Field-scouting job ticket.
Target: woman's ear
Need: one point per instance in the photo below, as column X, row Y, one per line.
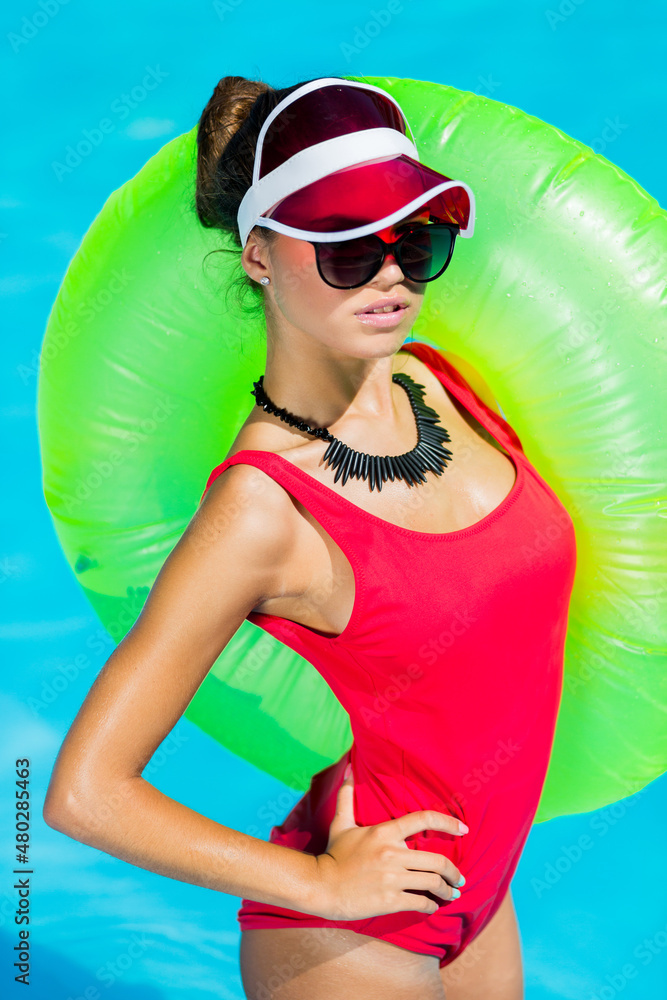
column 254, row 259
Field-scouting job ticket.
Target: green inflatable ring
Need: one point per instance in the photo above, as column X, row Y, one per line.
column 558, row 302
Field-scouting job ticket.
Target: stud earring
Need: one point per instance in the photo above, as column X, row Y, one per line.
column 265, row 280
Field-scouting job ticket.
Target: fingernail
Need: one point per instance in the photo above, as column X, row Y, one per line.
column 455, row 893
column 348, row 772
column 463, row 828
column 461, row 881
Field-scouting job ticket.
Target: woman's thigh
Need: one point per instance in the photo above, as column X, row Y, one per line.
column 331, row 963
column 491, row 965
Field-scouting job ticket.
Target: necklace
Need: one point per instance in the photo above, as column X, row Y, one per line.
column 427, row 455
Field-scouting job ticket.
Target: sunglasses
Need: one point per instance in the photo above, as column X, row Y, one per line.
column 422, row 253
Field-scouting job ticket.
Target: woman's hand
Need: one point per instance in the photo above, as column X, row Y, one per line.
column 366, row 870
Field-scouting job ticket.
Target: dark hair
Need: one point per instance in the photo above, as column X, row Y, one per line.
column 227, row 136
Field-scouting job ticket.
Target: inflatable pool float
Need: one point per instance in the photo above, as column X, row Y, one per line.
column 558, row 301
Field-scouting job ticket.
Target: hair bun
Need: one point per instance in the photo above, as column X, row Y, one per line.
column 226, row 141
column 227, row 136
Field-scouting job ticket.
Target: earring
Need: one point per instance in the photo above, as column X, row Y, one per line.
column 265, row 280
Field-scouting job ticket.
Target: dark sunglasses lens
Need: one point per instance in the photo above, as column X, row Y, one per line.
column 426, row 251
column 350, row 262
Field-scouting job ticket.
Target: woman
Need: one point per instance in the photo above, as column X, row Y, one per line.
column 398, row 569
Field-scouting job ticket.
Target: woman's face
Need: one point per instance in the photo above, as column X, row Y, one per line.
column 298, row 297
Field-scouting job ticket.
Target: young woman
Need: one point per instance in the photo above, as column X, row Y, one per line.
column 372, row 513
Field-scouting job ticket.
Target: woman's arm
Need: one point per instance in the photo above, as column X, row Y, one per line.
column 232, row 555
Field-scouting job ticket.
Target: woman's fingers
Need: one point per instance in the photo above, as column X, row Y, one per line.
column 431, row 882
column 426, row 819
column 427, row 861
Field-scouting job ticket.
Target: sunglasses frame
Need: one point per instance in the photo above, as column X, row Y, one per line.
column 395, row 247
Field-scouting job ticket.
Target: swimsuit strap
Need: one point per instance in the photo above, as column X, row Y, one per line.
column 466, row 395
column 321, row 501
column 325, row 503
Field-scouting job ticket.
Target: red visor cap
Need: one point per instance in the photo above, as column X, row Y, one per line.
column 370, row 192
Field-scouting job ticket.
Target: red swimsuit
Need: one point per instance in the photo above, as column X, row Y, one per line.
column 451, row 671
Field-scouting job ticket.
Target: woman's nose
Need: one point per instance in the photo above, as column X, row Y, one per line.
column 390, row 270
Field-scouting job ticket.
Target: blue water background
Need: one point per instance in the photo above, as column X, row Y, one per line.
column 597, row 928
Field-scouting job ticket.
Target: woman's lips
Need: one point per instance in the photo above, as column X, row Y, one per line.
column 382, row 320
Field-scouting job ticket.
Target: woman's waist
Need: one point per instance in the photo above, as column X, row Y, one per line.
column 455, row 753
column 498, row 817
column 505, row 776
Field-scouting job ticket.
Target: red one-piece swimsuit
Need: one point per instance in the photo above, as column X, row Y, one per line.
column 451, row 670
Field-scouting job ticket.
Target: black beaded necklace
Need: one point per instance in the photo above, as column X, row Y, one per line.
column 427, row 455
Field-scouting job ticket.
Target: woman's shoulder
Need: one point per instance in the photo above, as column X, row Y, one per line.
column 246, row 514
column 245, row 492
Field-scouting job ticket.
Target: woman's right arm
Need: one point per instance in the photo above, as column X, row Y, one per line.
column 236, row 552
column 228, row 560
